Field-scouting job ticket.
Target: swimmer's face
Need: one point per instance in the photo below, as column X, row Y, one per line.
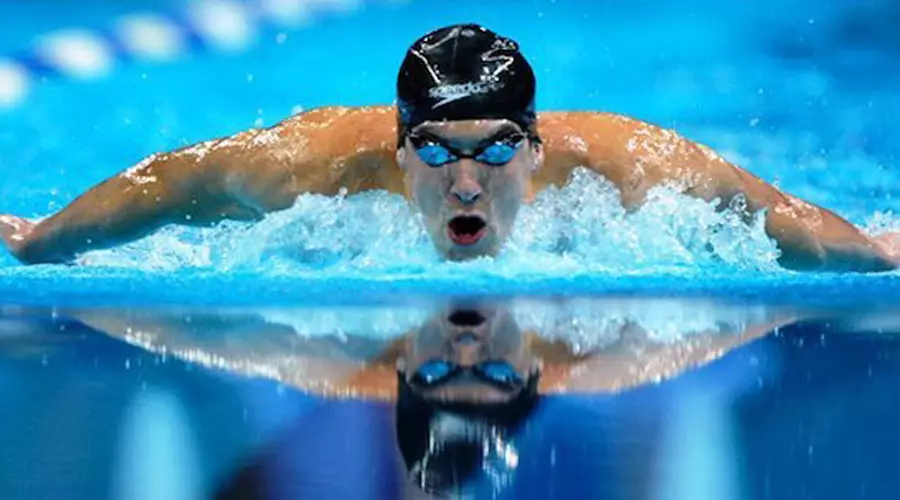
column 469, row 204
column 468, row 339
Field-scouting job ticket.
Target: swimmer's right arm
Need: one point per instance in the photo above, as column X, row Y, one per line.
column 163, row 189
column 241, row 177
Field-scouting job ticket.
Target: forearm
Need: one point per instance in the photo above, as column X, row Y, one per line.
column 811, row 238
column 636, row 156
column 163, row 189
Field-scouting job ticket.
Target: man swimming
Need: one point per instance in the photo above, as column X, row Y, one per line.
column 466, row 147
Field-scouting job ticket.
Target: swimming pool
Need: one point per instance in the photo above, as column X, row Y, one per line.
column 805, row 124
column 797, row 93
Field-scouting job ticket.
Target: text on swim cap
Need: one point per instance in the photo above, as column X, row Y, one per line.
column 456, row 91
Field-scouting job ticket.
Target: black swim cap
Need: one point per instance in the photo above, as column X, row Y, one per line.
column 443, row 463
column 465, row 72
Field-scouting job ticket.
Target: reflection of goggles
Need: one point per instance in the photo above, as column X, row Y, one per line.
column 495, row 372
column 497, row 152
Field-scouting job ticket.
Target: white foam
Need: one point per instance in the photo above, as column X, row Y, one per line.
column 882, row 222
column 580, row 228
column 77, row 53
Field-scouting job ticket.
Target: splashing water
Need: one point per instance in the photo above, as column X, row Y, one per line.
column 581, row 227
column 881, row 223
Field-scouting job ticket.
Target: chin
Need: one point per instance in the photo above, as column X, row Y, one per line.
column 487, row 247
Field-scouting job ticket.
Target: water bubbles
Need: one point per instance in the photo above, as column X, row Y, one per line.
column 580, row 228
column 882, row 222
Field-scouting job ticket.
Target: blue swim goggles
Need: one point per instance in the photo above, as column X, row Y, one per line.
column 495, row 372
column 496, row 152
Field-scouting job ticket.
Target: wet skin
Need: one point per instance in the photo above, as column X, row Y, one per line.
column 328, row 150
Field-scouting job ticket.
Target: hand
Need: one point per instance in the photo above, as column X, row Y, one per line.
column 889, row 243
column 15, row 232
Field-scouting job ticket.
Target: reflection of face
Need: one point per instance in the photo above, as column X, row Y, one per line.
column 469, row 206
column 468, row 337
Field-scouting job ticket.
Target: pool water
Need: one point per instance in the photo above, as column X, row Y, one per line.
column 200, row 402
column 799, row 93
column 801, row 121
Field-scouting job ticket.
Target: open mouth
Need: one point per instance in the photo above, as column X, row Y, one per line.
column 466, row 317
column 466, row 229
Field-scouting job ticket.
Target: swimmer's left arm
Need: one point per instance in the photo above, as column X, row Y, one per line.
column 636, row 156
column 810, row 238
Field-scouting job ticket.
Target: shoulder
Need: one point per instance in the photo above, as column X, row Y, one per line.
column 607, row 131
column 342, row 130
column 327, row 117
column 634, row 154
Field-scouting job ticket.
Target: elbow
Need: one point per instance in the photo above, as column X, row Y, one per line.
column 809, row 257
column 835, row 258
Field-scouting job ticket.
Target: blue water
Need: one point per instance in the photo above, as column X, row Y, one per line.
column 802, row 94
column 734, row 79
column 186, row 402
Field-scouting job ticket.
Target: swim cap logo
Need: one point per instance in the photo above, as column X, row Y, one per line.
column 457, row 91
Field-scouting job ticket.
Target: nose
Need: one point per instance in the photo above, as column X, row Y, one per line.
column 466, row 187
column 467, row 349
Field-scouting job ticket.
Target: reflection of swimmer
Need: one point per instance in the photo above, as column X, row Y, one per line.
column 454, row 354
column 464, row 144
column 464, row 382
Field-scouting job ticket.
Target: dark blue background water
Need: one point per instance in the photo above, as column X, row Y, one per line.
column 809, row 412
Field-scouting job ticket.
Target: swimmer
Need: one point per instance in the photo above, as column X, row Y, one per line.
column 466, row 147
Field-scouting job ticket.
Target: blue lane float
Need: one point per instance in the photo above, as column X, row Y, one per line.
column 226, row 26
